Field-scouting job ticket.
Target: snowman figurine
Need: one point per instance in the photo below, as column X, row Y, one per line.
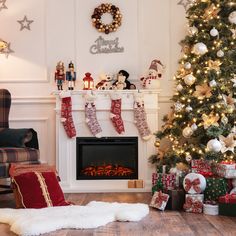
column 155, row 73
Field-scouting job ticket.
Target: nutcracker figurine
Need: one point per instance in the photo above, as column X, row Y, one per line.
column 71, row 76
column 60, row 75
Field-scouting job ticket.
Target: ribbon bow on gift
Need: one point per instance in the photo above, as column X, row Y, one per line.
column 160, row 198
column 194, row 206
column 195, row 184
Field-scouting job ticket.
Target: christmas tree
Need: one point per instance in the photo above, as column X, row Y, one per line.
column 202, row 121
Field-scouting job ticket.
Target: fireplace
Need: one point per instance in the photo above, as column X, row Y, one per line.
column 106, row 158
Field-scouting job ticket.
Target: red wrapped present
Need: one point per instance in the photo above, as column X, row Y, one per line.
column 228, row 198
column 202, row 167
column 159, row 200
column 193, row 203
column 168, row 180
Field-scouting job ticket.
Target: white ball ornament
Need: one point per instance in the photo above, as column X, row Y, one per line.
column 192, row 30
column 179, row 87
column 220, row 53
column 188, row 158
column 214, row 32
column 187, row 65
column 212, row 83
column 189, row 79
column 232, row 17
column 188, row 108
column 194, row 127
column 214, row 145
column 187, row 132
column 200, row 49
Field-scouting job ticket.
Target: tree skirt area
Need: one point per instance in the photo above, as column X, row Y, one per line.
column 94, row 214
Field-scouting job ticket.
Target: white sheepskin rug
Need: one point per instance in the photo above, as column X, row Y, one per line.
column 38, row 221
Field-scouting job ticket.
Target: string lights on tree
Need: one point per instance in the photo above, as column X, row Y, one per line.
column 201, row 124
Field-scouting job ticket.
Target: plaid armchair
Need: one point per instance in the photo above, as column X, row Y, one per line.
column 16, row 145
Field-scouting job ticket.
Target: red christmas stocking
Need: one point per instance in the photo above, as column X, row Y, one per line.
column 140, row 117
column 66, row 116
column 116, row 113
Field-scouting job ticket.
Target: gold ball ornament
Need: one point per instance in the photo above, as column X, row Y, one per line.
column 189, row 79
column 187, row 132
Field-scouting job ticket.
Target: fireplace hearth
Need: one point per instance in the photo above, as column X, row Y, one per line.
column 106, row 158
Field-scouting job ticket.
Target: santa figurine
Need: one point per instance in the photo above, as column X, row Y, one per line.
column 60, row 75
column 155, row 73
column 71, row 76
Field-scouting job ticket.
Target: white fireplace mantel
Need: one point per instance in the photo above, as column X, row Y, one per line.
column 66, row 148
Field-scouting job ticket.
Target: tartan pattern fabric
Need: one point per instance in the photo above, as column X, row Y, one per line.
column 8, row 155
column 19, row 155
column 5, row 103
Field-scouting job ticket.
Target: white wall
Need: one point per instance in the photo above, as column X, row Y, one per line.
column 62, row 31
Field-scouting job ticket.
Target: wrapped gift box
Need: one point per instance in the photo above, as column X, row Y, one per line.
column 168, row 180
column 209, row 209
column 202, row 167
column 159, row 200
column 227, row 205
column 176, row 200
column 227, row 171
column 215, row 188
column 193, row 203
column 194, row 183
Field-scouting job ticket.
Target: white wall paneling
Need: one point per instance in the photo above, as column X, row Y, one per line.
column 62, row 31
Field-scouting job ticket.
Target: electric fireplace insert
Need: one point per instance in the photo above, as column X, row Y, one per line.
column 106, row 158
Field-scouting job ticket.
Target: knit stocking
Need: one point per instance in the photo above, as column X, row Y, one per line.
column 91, row 117
column 116, row 113
column 66, row 116
column 140, row 117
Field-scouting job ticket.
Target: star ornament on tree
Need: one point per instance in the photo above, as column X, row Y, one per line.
column 211, row 12
column 228, row 143
column 3, row 4
column 214, row 65
column 25, row 23
column 210, row 120
column 202, row 91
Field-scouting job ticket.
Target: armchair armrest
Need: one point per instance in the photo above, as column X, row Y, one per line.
column 18, row 138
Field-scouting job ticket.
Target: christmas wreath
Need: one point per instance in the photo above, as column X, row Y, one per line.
column 97, row 18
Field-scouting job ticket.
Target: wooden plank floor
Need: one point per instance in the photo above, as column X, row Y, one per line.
column 167, row 223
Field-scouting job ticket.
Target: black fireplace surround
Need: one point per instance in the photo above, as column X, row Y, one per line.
column 106, row 158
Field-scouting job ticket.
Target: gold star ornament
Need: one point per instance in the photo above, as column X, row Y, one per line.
column 211, row 12
column 214, row 65
column 228, row 143
column 210, row 120
column 202, row 91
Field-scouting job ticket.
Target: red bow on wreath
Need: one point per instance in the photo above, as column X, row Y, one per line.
column 160, row 198
column 194, row 206
column 195, row 184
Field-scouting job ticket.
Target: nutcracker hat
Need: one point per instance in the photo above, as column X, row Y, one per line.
column 154, row 64
column 71, row 65
column 124, row 73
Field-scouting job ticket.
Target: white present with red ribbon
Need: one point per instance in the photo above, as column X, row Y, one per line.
column 227, row 171
column 194, row 183
column 194, row 203
column 159, row 200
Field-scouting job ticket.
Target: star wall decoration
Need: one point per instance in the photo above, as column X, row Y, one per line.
column 25, row 23
column 3, row 4
column 185, row 3
column 7, row 50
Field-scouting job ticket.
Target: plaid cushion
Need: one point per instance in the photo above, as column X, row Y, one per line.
column 12, row 155
column 8, row 155
column 5, row 103
column 4, row 168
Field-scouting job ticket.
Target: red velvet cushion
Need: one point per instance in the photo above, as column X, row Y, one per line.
column 39, row 189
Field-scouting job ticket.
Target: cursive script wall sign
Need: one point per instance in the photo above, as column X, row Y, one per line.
column 106, row 46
